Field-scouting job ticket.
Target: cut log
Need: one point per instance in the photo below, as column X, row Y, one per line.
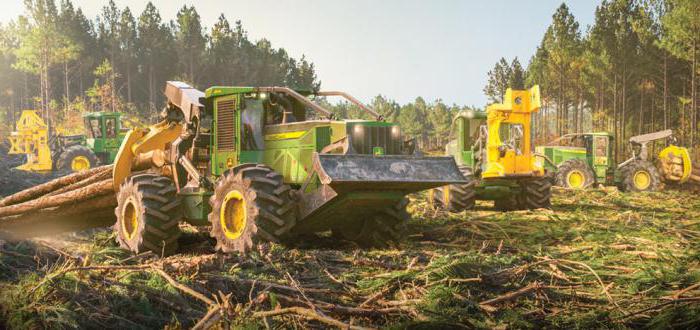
column 101, row 188
column 98, row 177
column 52, row 185
column 91, row 213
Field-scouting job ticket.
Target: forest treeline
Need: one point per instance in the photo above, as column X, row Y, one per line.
column 634, row 70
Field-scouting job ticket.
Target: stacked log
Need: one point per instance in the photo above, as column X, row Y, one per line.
column 672, row 170
column 78, row 201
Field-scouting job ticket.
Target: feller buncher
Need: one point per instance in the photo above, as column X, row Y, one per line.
column 588, row 159
column 494, row 152
column 254, row 164
column 48, row 152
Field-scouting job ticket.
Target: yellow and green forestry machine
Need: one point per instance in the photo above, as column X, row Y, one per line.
column 494, row 150
column 47, row 152
column 254, row 164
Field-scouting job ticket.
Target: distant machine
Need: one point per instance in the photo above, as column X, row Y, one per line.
column 47, row 152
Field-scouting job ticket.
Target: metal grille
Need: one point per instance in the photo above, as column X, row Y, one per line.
column 377, row 136
column 226, row 125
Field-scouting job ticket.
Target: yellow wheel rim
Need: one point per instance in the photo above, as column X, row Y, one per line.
column 130, row 219
column 642, row 180
column 80, row 163
column 233, row 215
column 575, row 179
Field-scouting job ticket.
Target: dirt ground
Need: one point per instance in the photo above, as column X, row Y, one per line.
column 598, row 259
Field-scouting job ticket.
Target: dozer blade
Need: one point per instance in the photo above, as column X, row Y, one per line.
column 405, row 173
column 356, row 187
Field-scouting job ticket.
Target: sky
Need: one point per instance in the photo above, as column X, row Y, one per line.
column 440, row 49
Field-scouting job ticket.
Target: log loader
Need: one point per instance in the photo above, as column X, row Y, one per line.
column 48, row 152
column 254, row 164
column 494, row 152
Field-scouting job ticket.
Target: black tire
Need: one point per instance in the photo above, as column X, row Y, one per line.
column 573, row 169
column 636, row 169
column 455, row 197
column 65, row 159
column 384, row 229
column 536, row 193
column 148, row 212
column 270, row 212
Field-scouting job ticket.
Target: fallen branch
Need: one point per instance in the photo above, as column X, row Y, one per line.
column 488, row 304
column 309, row 314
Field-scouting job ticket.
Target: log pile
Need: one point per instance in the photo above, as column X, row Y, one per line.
column 74, row 202
column 672, row 170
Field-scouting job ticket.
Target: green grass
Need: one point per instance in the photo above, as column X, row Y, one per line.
column 644, row 248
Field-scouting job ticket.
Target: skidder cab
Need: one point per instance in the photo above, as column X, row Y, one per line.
column 266, row 164
column 494, row 150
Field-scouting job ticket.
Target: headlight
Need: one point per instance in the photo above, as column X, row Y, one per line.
column 358, row 129
column 395, row 132
column 262, row 96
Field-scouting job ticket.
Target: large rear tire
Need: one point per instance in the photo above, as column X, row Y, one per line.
column 575, row 174
column 385, row 229
column 76, row 158
column 251, row 204
column 455, row 197
column 536, row 193
column 640, row 175
column 148, row 212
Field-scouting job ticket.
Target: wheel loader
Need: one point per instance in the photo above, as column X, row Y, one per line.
column 494, row 152
column 47, row 152
column 254, row 164
column 587, row 159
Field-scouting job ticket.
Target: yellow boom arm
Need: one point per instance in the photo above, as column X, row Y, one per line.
column 515, row 114
column 32, row 139
column 150, row 142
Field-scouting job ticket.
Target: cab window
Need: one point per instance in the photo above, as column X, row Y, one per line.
column 252, row 118
column 94, row 126
column 111, row 125
column 601, row 146
column 472, row 132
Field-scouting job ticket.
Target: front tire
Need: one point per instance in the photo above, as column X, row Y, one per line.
column 76, row 159
column 148, row 212
column 384, row 229
column 640, row 175
column 455, row 197
column 251, row 204
column 575, row 174
column 536, row 193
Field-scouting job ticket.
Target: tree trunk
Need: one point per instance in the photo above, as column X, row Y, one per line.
column 65, row 73
column 641, row 110
column 615, row 121
column 128, row 80
column 693, row 96
column 665, row 100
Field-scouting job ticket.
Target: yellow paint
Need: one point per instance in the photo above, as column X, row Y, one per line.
column 284, row 136
column 32, row 139
column 142, row 140
column 130, row 219
column 575, row 179
column 233, row 214
column 80, row 163
column 516, row 109
column 684, row 154
column 641, row 179
column 446, row 195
